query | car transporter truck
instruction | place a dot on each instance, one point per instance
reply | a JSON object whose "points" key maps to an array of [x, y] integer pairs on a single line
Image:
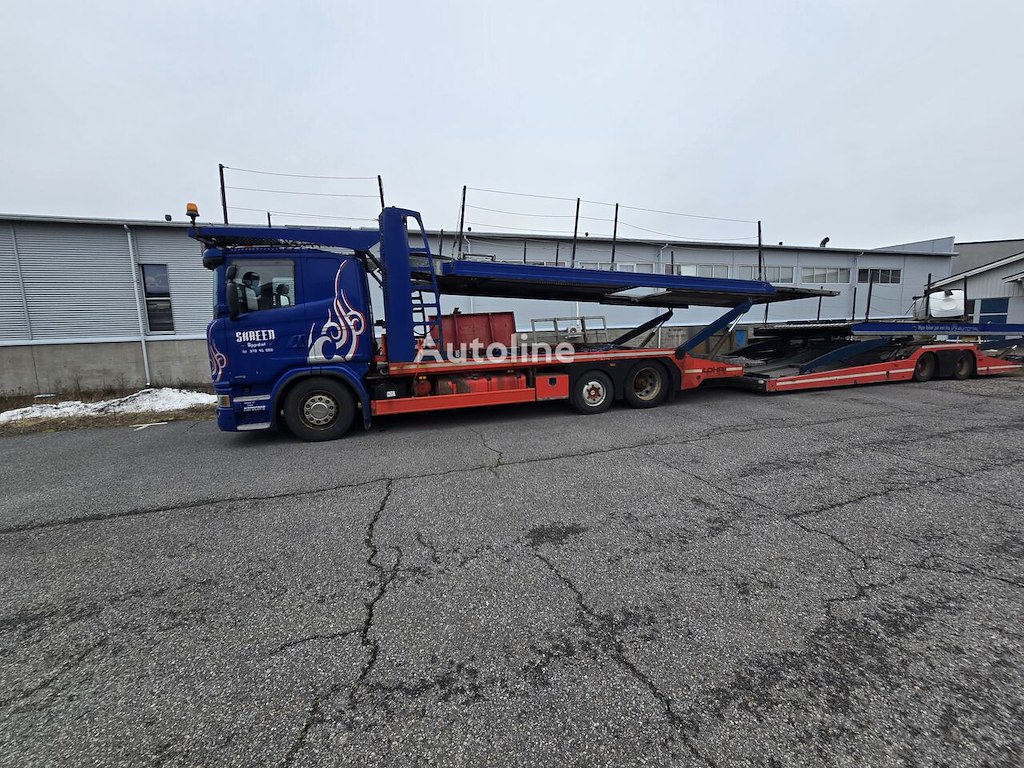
{"points": [[293, 338]]}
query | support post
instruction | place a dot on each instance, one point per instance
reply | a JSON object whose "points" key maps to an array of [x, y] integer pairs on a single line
{"points": [[268, 220], [462, 221], [223, 192], [712, 328], [380, 188], [871, 287], [760, 258], [853, 309], [575, 232], [615, 233], [966, 316], [524, 250], [21, 283], [138, 302], [557, 244], [818, 318]]}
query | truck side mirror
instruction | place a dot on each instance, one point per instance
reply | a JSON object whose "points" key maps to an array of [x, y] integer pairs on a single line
{"points": [[234, 310], [231, 291]]}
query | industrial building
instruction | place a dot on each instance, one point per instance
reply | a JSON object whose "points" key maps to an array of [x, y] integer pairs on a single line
{"points": [[992, 275], [116, 304]]}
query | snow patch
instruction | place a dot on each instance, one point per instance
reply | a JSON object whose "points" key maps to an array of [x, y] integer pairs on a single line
{"points": [[146, 401]]}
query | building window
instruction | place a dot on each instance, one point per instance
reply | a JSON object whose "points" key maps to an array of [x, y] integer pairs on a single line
{"points": [[703, 270], [825, 275], [884, 276], [157, 288], [993, 311], [782, 275], [265, 284]]}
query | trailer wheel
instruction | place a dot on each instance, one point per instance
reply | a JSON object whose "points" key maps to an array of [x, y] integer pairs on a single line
{"points": [[592, 392], [646, 385], [963, 366], [925, 368], [319, 409]]}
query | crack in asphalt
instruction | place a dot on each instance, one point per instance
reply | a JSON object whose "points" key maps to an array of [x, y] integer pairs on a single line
{"points": [[678, 723], [435, 558], [69, 665], [899, 488], [460, 680], [384, 577], [837, 660], [862, 590], [208, 502], [966, 568], [500, 456], [309, 639], [103, 516]]}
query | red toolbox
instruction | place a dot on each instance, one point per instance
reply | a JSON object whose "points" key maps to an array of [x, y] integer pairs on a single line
{"points": [[485, 327]]}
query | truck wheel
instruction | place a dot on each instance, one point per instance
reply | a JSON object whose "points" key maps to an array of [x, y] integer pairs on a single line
{"points": [[925, 368], [963, 367], [319, 409], [646, 385], [592, 392]]}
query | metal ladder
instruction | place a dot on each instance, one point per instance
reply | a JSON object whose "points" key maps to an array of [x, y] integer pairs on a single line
{"points": [[426, 297]]}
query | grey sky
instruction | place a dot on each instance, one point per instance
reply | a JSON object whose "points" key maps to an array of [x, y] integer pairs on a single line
{"points": [[870, 122]]}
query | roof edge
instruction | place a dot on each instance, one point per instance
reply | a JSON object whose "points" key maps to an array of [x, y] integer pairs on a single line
{"points": [[979, 270], [716, 245]]}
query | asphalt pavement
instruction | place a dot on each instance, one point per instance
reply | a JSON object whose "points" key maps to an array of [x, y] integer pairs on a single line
{"points": [[829, 578]]}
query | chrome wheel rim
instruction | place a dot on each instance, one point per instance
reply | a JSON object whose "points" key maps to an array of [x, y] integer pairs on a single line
{"points": [[594, 393], [319, 410]]}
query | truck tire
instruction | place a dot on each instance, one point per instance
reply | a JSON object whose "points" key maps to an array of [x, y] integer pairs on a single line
{"points": [[963, 366], [592, 392], [925, 367], [318, 409], [646, 385]]}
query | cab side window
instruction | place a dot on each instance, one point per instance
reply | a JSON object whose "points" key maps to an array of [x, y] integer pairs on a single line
{"points": [[264, 284]]}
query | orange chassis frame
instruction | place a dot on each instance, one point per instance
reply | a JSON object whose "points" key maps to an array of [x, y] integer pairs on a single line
{"points": [[693, 371], [895, 370]]}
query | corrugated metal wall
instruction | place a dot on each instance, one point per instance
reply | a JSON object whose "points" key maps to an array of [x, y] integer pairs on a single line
{"points": [[74, 282], [991, 284], [78, 281]]}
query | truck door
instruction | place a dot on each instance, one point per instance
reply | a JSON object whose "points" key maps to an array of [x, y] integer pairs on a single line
{"points": [[338, 311]]}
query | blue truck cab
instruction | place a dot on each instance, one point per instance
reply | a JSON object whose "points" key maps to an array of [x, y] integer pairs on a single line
{"points": [[293, 322]]}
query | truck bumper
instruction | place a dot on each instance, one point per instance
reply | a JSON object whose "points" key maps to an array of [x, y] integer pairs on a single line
{"points": [[244, 413]]}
